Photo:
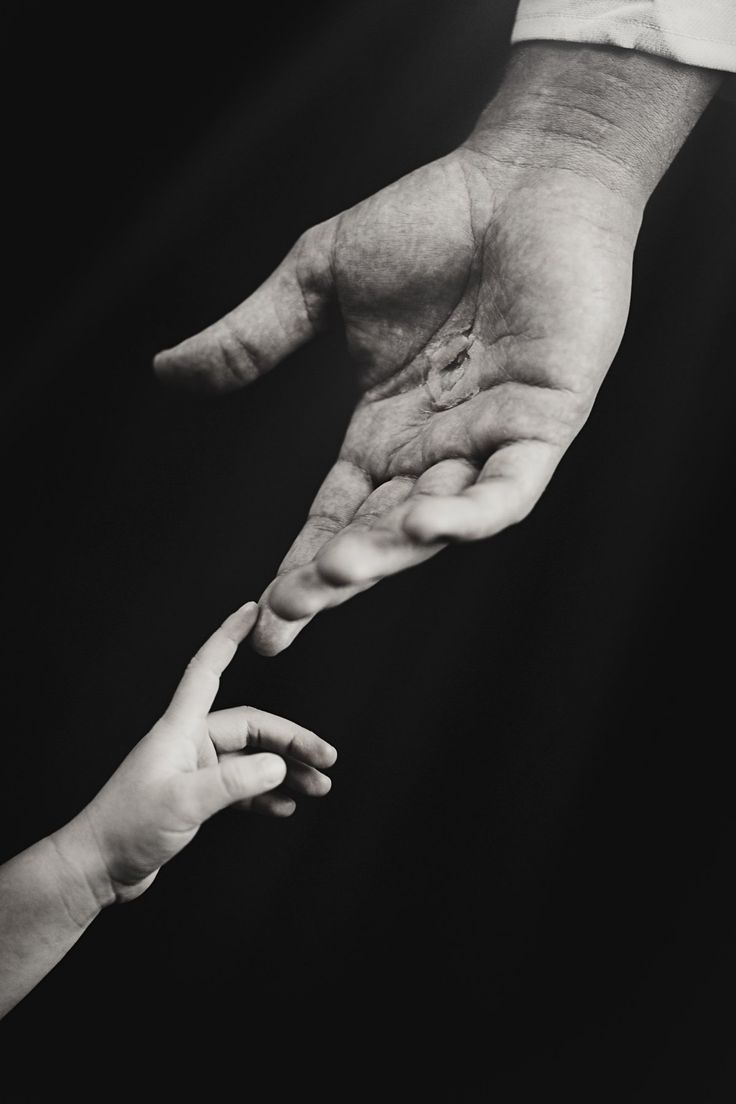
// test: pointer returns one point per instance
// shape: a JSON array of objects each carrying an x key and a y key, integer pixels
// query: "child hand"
[{"x": 191, "y": 765}]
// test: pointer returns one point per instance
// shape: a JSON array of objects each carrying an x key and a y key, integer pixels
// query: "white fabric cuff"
[{"x": 696, "y": 32}]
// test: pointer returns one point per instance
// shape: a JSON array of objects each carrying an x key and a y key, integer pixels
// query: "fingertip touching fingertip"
[
  {"x": 248, "y": 609},
  {"x": 243, "y": 620}
]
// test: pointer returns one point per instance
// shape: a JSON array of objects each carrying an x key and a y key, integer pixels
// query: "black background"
[{"x": 521, "y": 882}]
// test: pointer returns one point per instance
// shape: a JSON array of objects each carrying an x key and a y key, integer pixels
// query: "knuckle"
[
  {"x": 255, "y": 734},
  {"x": 325, "y": 523},
  {"x": 366, "y": 518},
  {"x": 306, "y": 239},
  {"x": 239, "y": 359}
]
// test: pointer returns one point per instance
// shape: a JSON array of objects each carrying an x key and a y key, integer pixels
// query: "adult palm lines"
[{"x": 479, "y": 341}]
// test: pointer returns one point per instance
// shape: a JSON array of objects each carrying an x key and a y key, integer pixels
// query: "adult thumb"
[{"x": 283, "y": 313}]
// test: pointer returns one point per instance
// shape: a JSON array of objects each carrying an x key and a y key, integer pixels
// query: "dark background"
[{"x": 522, "y": 881}]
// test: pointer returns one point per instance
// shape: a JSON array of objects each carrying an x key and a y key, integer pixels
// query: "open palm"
[{"x": 483, "y": 303}]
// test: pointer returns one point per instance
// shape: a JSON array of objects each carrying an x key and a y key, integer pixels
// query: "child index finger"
[{"x": 200, "y": 682}]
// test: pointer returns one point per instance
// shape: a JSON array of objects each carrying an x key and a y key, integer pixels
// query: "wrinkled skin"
[{"x": 483, "y": 300}]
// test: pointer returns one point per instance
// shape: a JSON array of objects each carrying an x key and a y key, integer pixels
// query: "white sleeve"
[{"x": 697, "y": 32}]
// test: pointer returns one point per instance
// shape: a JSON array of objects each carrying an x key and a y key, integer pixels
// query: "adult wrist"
[{"x": 613, "y": 115}]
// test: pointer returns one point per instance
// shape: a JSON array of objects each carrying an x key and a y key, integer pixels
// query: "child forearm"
[
  {"x": 47, "y": 901},
  {"x": 192, "y": 764}
]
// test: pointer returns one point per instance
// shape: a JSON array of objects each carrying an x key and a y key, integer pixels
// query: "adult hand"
[{"x": 483, "y": 297}]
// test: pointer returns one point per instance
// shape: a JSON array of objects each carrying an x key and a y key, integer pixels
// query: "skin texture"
[
  {"x": 483, "y": 297},
  {"x": 192, "y": 764}
]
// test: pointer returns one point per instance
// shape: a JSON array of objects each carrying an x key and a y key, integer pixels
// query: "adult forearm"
[
  {"x": 618, "y": 115},
  {"x": 47, "y": 901}
]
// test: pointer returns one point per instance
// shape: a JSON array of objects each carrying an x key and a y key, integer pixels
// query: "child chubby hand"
[{"x": 192, "y": 764}]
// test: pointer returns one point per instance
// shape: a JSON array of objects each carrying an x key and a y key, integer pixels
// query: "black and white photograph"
[{"x": 368, "y": 577}]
